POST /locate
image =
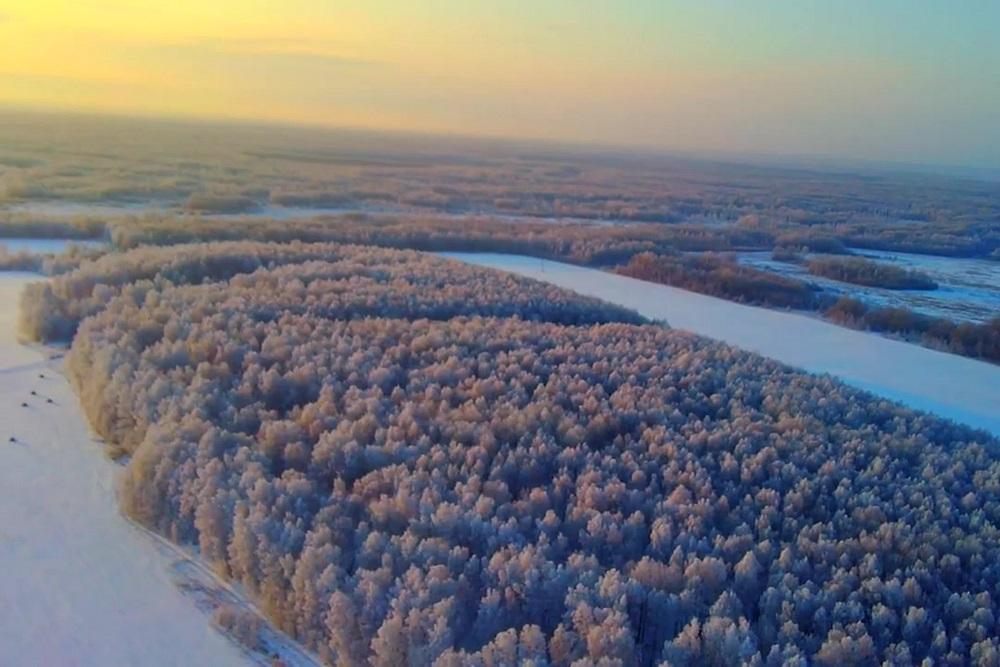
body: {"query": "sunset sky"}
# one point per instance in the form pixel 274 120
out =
pixel 905 80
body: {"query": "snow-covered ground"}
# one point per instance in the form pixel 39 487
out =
pixel 44 246
pixel 79 585
pixel 962 389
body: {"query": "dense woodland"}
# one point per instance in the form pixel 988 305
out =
pixel 52 310
pixel 400 472
pixel 861 271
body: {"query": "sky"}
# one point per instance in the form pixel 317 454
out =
pixel 913 81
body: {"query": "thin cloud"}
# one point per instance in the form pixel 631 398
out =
pixel 270 48
pixel 72 79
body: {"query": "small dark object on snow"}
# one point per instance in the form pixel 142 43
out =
pixel 13 439
pixel 49 401
pixel 34 393
pixel 41 375
pixel 24 405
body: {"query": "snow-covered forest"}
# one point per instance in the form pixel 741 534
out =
pixel 52 310
pixel 407 460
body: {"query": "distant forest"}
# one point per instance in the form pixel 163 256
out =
pixel 407 460
pixel 210 169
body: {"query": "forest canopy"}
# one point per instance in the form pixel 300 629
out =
pixel 410 461
pixel 52 310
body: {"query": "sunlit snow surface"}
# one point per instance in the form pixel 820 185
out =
pixel 962 389
pixel 44 246
pixel 78 584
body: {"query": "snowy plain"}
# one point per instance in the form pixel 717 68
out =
pixel 962 389
pixel 45 246
pixel 79 585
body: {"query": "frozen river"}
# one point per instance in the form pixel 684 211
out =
pixel 962 389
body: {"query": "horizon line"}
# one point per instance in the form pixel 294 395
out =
pixel 817 162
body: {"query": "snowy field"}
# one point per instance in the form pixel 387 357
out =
pixel 962 389
pixel 45 246
pixel 80 585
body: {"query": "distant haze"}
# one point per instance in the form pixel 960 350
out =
pixel 898 81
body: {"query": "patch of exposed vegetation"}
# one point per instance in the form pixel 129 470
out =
pixel 859 271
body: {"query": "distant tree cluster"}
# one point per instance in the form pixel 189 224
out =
pixel 49 264
pixel 16 225
pixel 19 261
pixel 788 254
pixel 860 271
pixel 56 264
pixel 225 203
pixel 806 241
pixel 981 341
pixel 724 277
pixel 397 479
